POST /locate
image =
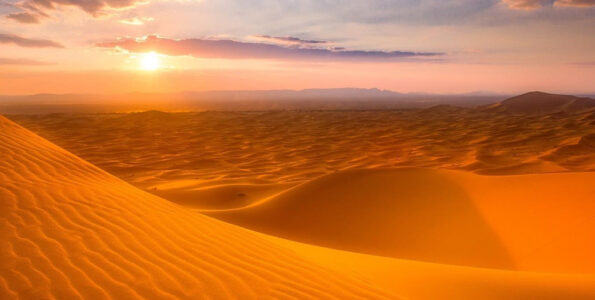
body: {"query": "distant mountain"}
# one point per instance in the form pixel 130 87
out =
pixel 543 103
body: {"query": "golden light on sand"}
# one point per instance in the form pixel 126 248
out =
pixel 149 61
pixel 275 224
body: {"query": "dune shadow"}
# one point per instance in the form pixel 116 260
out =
pixel 418 214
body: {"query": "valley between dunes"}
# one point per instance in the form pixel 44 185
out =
pixel 313 220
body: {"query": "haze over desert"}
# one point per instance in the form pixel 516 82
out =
pixel 266 149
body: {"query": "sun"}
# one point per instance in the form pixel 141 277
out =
pixel 149 61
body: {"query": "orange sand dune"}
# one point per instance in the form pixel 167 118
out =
pixel 417 280
pixel 152 150
pixel 543 103
pixel 405 213
pixel 72 231
pixel 525 222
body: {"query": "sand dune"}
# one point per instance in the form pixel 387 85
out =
pixel 544 103
pixel 72 231
pixel 215 149
pixel 404 213
pixel 525 222
pixel 417 280
pixel 401 184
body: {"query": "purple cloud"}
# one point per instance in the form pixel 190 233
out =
pixel 575 3
pixel 206 48
pixel 26 42
pixel 290 41
pixel 24 17
pixel 34 10
pixel 21 62
pixel 532 4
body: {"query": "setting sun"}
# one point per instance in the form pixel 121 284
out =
pixel 344 149
pixel 149 61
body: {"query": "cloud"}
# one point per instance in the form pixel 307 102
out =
pixel 524 4
pixel 532 4
pixel 25 42
pixel 136 21
pixel 21 62
pixel 24 17
pixel 34 10
pixel 289 41
pixel 575 3
pixel 206 48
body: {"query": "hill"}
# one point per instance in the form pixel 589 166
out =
pixel 537 222
pixel 543 103
pixel 71 231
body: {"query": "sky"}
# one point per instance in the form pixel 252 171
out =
pixel 434 46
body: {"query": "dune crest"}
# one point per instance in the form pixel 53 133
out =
pixel 71 231
pixel 543 103
pixel 533 222
pixel 406 213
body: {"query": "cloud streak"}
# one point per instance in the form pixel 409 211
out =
pixel 533 4
pixel 524 4
pixel 290 41
pixel 34 10
pixel 24 17
pixel 228 49
pixel 26 42
pixel 137 21
pixel 575 3
pixel 21 62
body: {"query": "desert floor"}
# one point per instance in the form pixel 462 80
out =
pixel 438 203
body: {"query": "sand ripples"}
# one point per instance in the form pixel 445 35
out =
pixel 72 231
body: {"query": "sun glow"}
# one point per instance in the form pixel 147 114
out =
pixel 149 61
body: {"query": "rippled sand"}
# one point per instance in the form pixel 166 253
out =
pixel 446 202
pixel 153 149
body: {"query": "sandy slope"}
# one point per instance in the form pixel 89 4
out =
pixel 417 280
pixel 541 222
pixel 404 213
pixel 543 103
pixel 72 231
pixel 178 155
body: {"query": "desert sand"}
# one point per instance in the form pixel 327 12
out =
pixel 521 222
pixel 72 231
pixel 493 202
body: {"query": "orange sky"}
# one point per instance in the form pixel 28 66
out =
pixel 411 78
pixel 427 46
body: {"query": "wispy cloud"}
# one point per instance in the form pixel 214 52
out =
pixel 575 3
pixel 532 4
pixel 21 62
pixel 525 4
pixel 229 49
pixel 290 41
pixel 24 17
pixel 32 11
pixel 136 21
pixel 27 42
